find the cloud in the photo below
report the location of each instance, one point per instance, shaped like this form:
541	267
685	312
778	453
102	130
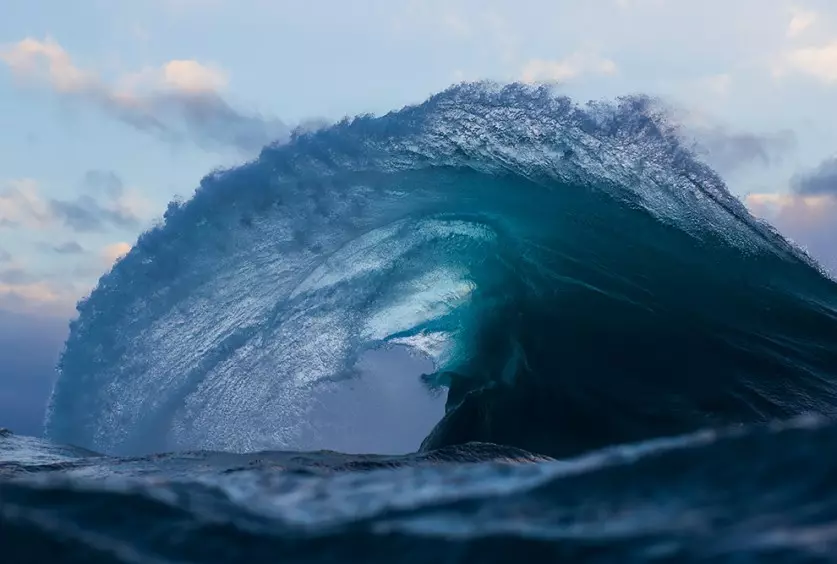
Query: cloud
767	204
819	182
68	248
106	205
817	62
727	150
113	252
807	220
104	182
807	214
5	256
27	289
180	100
85	214
15	275
800	22
22	206
724	148
573	66
17	295
24	288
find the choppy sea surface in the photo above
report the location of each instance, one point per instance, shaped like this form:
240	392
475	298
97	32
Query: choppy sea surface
633	368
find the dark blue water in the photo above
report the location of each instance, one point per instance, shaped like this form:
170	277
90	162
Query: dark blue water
623	351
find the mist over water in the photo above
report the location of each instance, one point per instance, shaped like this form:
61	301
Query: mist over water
384	408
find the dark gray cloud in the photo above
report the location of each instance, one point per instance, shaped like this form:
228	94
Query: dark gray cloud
727	150
85	213
15	276
68	248
819	182
103	182
179	101
724	148
5	256
808	214
203	118
101	205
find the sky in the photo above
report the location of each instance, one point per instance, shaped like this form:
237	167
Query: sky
112	108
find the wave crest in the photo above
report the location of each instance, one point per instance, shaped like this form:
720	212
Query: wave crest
577	276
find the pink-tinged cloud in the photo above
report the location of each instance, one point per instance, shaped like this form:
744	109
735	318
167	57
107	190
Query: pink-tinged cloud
818	62
103	206
807	214
809	221
181	99
114	252
38	296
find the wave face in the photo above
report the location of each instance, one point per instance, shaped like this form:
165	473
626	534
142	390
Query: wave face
576	276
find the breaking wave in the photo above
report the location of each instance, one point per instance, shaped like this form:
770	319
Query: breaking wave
575	275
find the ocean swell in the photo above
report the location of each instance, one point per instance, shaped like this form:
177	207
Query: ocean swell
577	277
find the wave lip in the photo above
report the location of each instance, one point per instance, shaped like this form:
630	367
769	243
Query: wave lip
577	276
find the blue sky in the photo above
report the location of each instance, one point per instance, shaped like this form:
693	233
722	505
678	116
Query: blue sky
112	108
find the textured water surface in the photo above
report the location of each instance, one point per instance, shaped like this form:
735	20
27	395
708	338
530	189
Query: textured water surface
569	281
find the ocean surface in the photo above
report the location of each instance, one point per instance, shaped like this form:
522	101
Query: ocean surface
618	363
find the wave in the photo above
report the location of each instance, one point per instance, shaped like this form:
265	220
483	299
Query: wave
576	275
721	496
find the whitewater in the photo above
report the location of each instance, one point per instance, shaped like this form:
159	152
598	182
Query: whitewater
620	362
